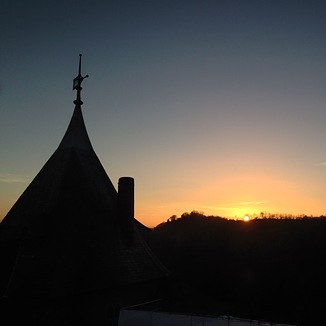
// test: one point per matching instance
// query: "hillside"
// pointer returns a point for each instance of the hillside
(266, 268)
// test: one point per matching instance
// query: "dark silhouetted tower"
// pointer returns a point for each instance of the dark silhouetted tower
(71, 248)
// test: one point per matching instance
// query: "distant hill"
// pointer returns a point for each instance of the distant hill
(266, 268)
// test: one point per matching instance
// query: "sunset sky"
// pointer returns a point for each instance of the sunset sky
(214, 106)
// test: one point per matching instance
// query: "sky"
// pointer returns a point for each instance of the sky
(213, 106)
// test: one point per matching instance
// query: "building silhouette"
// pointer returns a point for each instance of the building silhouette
(72, 252)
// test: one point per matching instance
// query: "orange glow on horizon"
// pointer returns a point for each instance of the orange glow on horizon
(227, 196)
(230, 196)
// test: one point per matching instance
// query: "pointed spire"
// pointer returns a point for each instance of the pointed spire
(76, 135)
(77, 84)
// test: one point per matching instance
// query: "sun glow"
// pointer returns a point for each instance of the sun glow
(246, 218)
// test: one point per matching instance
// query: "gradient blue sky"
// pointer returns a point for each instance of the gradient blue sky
(215, 106)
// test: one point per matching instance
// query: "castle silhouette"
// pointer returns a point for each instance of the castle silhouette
(71, 250)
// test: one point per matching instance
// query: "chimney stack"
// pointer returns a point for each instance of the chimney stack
(126, 207)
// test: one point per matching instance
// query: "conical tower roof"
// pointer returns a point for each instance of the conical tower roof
(67, 230)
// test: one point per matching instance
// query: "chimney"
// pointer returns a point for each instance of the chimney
(126, 207)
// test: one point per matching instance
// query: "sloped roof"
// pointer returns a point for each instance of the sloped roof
(66, 222)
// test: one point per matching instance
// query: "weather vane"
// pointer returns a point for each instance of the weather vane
(77, 84)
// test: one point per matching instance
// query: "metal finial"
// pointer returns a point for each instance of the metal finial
(77, 83)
